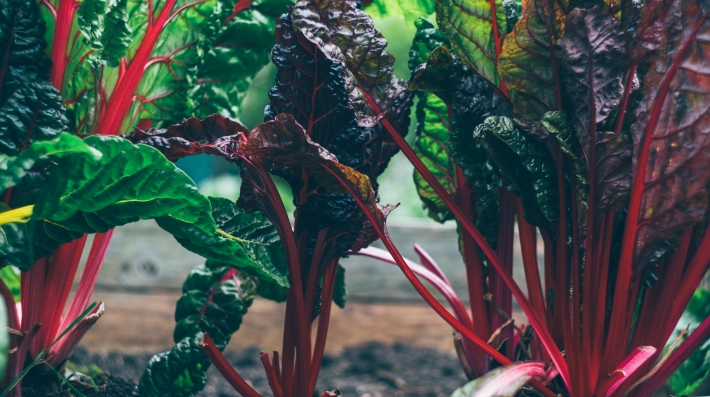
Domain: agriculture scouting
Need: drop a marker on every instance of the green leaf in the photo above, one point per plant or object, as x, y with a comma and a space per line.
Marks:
177, 372
10, 275
469, 25
699, 305
230, 58
33, 113
129, 183
15, 245
501, 382
104, 24
527, 61
426, 39
214, 300
14, 168
340, 293
22, 46
409, 10
240, 234
692, 373
527, 164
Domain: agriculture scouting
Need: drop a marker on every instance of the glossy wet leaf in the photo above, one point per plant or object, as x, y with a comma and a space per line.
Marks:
33, 113
469, 24
22, 46
526, 163
346, 35
674, 180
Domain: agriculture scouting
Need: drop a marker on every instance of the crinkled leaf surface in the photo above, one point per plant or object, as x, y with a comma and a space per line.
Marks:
470, 27
527, 62
672, 182
340, 293
33, 113
214, 300
22, 46
104, 24
433, 123
347, 35
527, 164
592, 55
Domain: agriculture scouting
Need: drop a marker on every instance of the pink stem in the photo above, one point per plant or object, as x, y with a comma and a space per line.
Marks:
61, 351
429, 263
81, 299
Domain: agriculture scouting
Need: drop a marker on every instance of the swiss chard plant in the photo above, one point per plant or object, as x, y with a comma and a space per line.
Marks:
75, 69
584, 121
323, 136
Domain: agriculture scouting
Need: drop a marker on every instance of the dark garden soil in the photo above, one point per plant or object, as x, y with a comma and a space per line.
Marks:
370, 370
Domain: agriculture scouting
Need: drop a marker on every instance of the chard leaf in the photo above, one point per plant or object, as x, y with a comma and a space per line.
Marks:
648, 35
104, 24
230, 55
433, 123
593, 42
527, 164
409, 10
283, 146
311, 88
346, 35
33, 113
501, 382
251, 233
671, 144
14, 168
340, 293
527, 61
22, 46
613, 172
214, 300
129, 183
693, 373
470, 27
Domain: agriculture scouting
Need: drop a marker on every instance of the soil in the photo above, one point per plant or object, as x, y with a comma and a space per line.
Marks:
369, 370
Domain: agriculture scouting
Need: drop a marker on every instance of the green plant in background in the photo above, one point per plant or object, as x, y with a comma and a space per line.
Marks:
695, 371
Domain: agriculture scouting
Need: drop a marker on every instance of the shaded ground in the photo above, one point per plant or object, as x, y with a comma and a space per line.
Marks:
369, 370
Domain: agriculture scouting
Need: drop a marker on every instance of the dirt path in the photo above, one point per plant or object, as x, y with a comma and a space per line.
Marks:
137, 323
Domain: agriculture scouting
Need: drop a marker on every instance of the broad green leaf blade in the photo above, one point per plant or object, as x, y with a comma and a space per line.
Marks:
592, 54
346, 35
230, 58
501, 382
426, 39
16, 246
180, 371
240, 234
22, 46
33, 113
340, 293
470, 27
527, 164
527, 62
692, 373
14, 168
671, 145
129, 183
